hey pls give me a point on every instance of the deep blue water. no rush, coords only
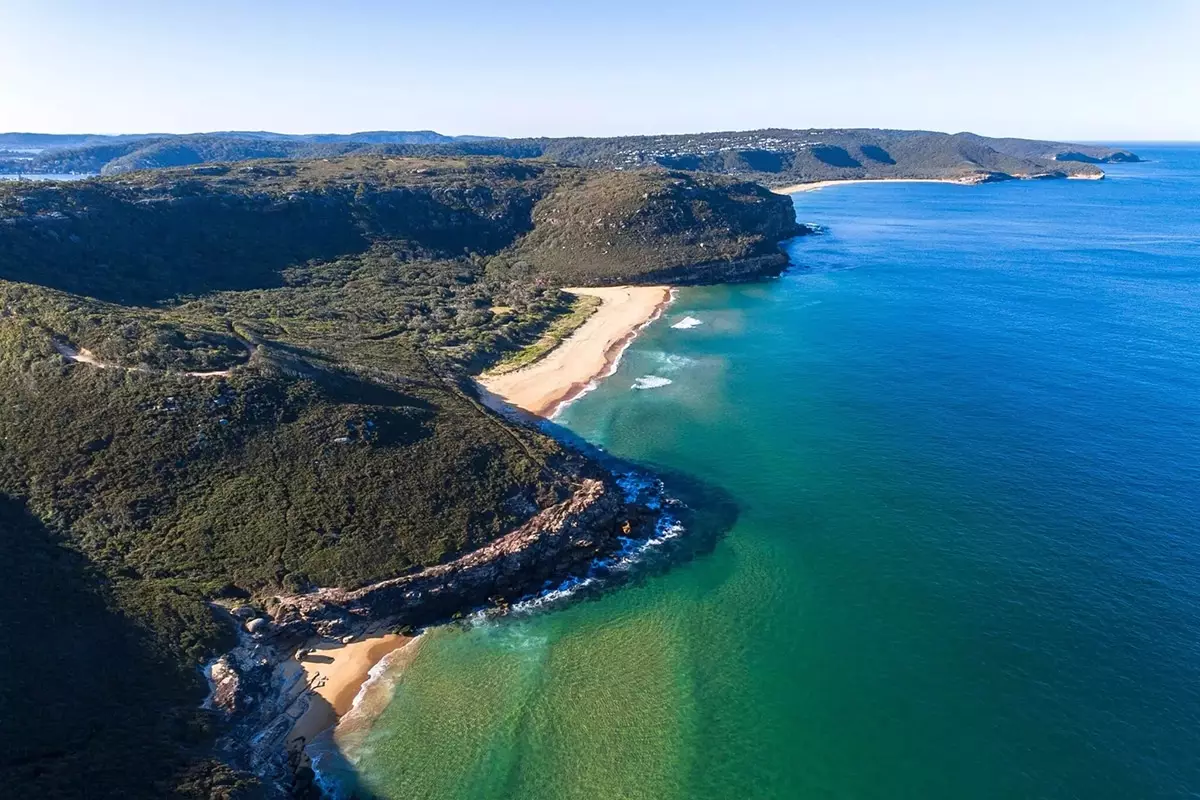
(962, 436)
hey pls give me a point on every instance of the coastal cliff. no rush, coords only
(556, 542)
(255, 685)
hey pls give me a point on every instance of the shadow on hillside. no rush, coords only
(86, 707)
(134, 253)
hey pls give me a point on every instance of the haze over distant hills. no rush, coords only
(772, 156)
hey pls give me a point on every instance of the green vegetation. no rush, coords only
(583, 307)
(775, 156)
(94, 702)
(345, 303)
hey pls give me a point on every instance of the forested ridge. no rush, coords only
(776, 156)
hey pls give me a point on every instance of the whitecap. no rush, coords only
(636, 488)
(650, 382)
(687, 322)
(669, 362)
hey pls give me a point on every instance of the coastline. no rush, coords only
(815, 185)
(591, 352)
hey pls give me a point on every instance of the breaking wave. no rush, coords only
(687, 322)
(669, 362)
(631, 553)
(650, 382)
(612, 366)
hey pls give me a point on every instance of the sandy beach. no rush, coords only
(814, 185)
(586, 354)
(335, 673)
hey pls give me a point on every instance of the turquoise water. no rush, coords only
(962, 439)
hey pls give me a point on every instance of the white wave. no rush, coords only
(637, 488)
(651, 382)
(687, 322)
(381, 671)
(669, 362)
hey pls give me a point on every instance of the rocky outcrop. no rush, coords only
(261, 691)
(556, 542)
(1113, 157)
(224, 685)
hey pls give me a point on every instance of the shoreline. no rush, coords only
(337, 675)
(813, 186)
(592, 352)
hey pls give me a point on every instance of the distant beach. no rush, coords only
(814, 185)
(589, 353)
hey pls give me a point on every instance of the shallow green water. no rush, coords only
(963, 441)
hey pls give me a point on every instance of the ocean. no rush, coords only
(955, 457)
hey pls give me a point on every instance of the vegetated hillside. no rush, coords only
(620, 227)
(774, 156)
(93, 703)
(156, 235)
(279, 398)
(1056, 151)
(89, 154)
(779, 156)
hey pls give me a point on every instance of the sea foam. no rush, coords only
(631, 552)
(687, 322)
(650, 382)
(669, 362)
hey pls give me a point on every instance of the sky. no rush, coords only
(1062, 69)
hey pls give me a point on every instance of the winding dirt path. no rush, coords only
(85, 356)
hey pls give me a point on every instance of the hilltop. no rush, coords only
(230, 382)
(775, 157)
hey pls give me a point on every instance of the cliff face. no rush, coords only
(558, 541)
(253, 686)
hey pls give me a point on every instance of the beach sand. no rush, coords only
(336, 672)
(586, 354)
(813, 186)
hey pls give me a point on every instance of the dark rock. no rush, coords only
(555, 542)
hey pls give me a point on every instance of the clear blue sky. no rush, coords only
(1056, 68)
